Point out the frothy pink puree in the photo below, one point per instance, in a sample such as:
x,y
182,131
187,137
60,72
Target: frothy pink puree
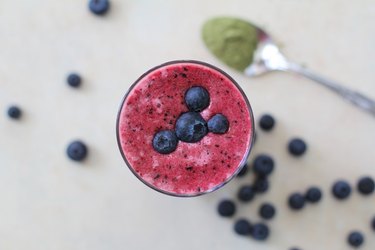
x,y
154,104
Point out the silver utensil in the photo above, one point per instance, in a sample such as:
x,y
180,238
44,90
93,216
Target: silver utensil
x,y
268,57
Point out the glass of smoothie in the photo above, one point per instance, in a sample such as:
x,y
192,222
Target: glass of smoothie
x,y
185,128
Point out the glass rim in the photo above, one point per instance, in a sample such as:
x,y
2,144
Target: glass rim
x,y
244,158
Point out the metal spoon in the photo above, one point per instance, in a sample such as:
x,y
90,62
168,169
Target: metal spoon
x,y
267,58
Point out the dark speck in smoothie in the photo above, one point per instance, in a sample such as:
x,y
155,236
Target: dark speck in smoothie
x,y
157,176
183,75
189,168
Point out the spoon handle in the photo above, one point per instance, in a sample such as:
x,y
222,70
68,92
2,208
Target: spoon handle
x,y
354,97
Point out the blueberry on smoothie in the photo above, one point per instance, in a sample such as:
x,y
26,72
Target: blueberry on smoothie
x,y
165,141
191,127
197,99
218,124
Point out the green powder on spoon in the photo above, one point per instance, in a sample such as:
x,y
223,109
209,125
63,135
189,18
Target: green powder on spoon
x,y
232,40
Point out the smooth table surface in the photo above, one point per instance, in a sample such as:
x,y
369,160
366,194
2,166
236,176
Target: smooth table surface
x,y
50,202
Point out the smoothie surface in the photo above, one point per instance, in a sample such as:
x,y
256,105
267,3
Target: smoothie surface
x,y
156,101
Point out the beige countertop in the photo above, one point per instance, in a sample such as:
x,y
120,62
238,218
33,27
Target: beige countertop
x,y
49,202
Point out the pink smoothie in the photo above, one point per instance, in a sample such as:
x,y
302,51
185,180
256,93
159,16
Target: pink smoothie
x,y
154,103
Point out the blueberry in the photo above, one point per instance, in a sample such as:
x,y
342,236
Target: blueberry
x,y
165,141
74,80
355,239
14,112
373,223
218,124
191,127
267,122
242,227
243,171
313,195
263,165
226,208
261,185
77,151
197,98
260,231
99,7
341,190
296,201
297,147
366,185
246,193
267,211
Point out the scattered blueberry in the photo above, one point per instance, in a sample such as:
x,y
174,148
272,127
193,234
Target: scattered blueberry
x,y
99,7
263,165
297,147
246,193
355,239
165,141
242,227
226,208
267,211
296,201
14,112
191,127
218,124
366,185
243,171
260,231
77,151
373,223
74,80
341,190
197,98
313,195
261,185
267,122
